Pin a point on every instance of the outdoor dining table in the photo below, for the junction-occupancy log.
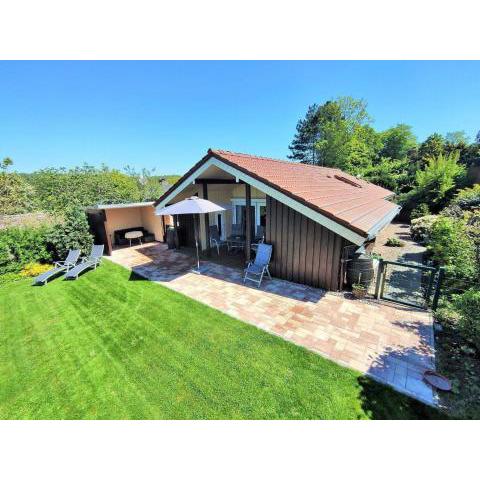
(134, 234)
(236, 241)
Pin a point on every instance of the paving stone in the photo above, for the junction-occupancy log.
(391, 343)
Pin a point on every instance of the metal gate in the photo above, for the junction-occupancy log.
(409, 284)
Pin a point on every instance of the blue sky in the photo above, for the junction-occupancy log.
(165, 115)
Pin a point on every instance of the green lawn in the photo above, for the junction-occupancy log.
(113, 346)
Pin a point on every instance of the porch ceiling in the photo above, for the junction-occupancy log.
(216, 173)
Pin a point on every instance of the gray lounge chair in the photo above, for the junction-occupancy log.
(93, 260)
(67, 264)
(256, 270)
(215, 239)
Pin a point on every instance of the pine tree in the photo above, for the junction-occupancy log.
(303, 144)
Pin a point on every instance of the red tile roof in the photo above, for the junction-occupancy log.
(351, 201)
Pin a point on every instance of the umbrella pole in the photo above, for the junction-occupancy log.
(196, 241)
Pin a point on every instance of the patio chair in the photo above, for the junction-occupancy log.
(93, 260)
(256, 270)
(237, 230)
(215, 239)
(67, 264)
(236, 240)
(259, 234)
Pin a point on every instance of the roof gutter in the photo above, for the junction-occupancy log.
(372, 233)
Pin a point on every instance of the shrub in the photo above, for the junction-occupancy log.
(59, 190)
(19, 246)
(447, 315)
(16, 195)
(421, 228)
(449, 245)
(436, 183)
(421, 211)
(394, 242)
(73, 233)
(468, 307)
(468, 198)
(453, 211)
(33, 269)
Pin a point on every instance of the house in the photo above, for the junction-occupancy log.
(109, 223)
(311, 215)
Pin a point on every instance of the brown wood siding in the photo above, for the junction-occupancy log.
(303, 250)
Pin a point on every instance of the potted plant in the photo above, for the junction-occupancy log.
(359, 290)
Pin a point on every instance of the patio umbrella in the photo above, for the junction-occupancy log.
(191, 206)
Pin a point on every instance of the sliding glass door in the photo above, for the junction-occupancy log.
(240, 217)
(258, 213)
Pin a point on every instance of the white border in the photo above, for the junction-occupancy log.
(215, 29)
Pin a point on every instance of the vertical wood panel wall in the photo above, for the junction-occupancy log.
(303, 250)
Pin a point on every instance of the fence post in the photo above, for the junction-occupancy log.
(430, 284)
(379, 279)
(436, 295)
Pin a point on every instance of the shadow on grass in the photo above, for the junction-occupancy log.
(384, 403)
(135, 277)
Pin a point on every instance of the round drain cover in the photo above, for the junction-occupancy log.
(438, 381)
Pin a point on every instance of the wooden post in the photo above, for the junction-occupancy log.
(206, 220)
(436, 295)
(379, 279)
(248, 222)
(177, 240)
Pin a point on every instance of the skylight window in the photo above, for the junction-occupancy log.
(347, 180)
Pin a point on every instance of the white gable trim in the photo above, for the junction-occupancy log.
(281, 197)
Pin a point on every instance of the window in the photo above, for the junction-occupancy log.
(258, 212)
(347, 180)
(219, 224)
(263, 216)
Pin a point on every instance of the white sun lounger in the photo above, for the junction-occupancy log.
(67, 264)
(93, 260)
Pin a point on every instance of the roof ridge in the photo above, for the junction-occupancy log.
(288, 162)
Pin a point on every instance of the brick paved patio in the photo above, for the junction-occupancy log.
(391, 343)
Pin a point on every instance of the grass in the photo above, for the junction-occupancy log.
(113, 346)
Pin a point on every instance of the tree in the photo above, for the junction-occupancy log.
(388, 173)
(459, 136)
(436, 182)
(477, 137)
(335, 134)
(470, 155)
(363, 149)
(433, 146)
(450, 246)
(398, 141)
(73, 233)
(60, 190)
(150, 186)
(16, 195)
(303, 147)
